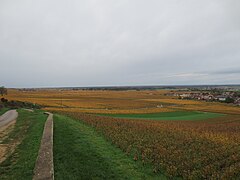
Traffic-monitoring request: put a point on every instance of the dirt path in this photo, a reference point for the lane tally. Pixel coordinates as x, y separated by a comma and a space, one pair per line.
44, 164
7, 121
7, 118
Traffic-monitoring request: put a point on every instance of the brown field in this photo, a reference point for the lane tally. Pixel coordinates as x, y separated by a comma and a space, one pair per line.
115, 101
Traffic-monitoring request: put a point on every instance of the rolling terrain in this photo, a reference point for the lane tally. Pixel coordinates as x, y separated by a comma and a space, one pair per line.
127, 134
115, 102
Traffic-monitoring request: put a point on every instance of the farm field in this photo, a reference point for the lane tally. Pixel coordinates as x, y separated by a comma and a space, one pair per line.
120, 90
185, 149
116, 102
176, 115
139, 134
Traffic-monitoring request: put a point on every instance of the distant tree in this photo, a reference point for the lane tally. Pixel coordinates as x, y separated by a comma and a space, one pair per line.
238, 94
229, 100
3, 90
4, 100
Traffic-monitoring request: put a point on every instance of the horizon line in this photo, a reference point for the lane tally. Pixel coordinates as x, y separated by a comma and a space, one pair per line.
122, 86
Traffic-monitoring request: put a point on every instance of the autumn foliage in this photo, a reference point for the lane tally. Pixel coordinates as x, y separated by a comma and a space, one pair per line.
191, 150
186, 149
115, 102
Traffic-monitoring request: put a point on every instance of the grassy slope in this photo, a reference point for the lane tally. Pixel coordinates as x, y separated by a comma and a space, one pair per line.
29, 128
178, 115
81, 152
3, 110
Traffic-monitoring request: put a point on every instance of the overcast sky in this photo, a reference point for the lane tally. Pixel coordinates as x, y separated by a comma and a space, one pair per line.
51, 43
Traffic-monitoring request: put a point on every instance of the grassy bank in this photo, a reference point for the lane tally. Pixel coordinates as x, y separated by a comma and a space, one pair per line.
3, 110
177, 115
28, 132
81, 152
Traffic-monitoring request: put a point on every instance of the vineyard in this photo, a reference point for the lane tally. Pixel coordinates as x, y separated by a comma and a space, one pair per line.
188, 139
120, 90
115, 102
176, 115
190, 150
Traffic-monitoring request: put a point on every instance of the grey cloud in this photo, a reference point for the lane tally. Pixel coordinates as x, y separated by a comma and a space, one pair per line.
228, 71
104, 42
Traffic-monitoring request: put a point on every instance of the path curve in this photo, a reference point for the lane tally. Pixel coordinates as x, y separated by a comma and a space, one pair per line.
44, 165
7, 118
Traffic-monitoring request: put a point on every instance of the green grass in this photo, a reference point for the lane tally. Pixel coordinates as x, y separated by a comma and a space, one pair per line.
28, 129
82, 153
3, 110
177, 115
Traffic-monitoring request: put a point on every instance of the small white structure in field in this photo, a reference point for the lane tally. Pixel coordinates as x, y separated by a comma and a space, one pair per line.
221, 98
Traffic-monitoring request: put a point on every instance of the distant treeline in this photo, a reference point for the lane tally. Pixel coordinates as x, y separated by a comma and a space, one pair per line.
140, 88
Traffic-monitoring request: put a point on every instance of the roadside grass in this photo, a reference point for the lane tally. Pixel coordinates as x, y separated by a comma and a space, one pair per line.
176, 115
3, 110
28, 132
82, 153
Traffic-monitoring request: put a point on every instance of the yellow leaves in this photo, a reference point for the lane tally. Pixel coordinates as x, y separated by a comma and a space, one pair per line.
115, 102
192, 150
176, 101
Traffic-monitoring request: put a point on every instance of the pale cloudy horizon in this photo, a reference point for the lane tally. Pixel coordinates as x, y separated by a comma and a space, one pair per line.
119, 43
